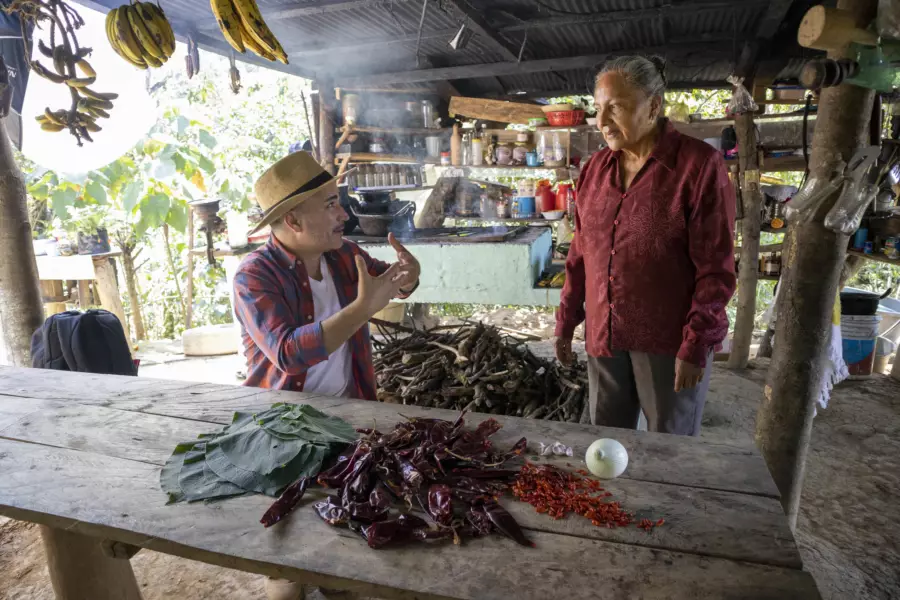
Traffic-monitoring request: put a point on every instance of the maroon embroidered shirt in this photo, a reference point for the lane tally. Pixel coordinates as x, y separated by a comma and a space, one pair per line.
651, 269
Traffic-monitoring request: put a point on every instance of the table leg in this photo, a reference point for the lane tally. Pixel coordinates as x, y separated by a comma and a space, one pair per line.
79, 570
284, 589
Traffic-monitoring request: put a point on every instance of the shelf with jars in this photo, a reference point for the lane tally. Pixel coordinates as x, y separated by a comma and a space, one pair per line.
383, 177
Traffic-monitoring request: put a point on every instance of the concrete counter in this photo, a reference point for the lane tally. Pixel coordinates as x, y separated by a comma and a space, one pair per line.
458, 272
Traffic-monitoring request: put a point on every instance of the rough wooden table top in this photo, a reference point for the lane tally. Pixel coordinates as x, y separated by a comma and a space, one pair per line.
83, 452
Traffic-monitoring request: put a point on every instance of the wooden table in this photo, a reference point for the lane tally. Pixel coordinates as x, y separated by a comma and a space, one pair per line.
81, 454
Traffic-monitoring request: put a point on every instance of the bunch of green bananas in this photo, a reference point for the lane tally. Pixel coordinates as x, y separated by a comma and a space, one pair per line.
87, 105
244, 28
140, 33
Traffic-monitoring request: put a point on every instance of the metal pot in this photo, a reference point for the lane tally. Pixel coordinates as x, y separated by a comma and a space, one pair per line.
378, 225
861, 303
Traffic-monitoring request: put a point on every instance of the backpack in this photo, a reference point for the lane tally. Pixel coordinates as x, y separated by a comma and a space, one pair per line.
91, 342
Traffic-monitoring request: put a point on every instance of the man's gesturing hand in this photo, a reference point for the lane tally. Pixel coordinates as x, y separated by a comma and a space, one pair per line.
408, 264
374, 293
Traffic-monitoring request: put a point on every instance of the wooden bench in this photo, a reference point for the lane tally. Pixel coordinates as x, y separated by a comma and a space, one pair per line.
81, 455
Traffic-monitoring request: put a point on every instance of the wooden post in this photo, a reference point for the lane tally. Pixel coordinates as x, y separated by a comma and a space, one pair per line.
134, 297
79, 569
21, 310
751, 199
53, 288
84, 294
108, 292
189, 293
326, 125
815, 257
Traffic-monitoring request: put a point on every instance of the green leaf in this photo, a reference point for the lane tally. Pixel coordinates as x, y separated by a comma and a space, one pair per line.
181, 123
206, 164
165, 168
180, 163
199, 482
96, 191
61, 200
154, 209
177, 217
131, 195
207, 139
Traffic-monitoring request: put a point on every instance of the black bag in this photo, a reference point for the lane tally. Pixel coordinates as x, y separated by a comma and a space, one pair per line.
90, 342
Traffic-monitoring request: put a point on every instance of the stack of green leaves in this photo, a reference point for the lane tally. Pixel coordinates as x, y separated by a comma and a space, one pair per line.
257, 453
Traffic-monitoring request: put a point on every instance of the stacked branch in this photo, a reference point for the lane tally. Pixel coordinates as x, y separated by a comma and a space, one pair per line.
476, 367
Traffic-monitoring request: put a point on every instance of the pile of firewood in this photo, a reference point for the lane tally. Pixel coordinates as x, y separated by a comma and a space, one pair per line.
479, 368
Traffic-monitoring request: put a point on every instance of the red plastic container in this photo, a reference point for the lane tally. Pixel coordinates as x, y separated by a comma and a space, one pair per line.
545, 196
565, 118
563, 192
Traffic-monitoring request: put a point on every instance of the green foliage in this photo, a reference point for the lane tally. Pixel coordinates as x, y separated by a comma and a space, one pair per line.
207, 142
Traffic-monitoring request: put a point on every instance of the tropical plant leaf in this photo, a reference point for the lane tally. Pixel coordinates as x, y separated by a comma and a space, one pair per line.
199, 482
207, 139
96, 191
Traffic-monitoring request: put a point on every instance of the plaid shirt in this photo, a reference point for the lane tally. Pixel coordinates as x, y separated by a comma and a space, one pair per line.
274, 305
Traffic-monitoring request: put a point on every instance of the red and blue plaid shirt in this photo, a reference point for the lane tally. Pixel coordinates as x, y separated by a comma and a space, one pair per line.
274, 305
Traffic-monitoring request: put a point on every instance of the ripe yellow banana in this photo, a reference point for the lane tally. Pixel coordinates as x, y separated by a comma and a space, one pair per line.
254, 24
48, 126
124, 39
229, 22
251, 44
153, 14
154, 27
86, 68
149, 47
89, 93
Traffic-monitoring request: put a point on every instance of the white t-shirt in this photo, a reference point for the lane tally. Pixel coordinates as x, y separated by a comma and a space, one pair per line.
331, 377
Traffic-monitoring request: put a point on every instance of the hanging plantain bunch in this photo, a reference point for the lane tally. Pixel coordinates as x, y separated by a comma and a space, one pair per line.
70, 67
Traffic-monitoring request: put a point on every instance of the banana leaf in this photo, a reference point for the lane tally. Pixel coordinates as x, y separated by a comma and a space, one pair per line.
198, 482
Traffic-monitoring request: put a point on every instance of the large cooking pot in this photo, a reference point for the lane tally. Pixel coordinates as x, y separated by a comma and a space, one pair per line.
861, 303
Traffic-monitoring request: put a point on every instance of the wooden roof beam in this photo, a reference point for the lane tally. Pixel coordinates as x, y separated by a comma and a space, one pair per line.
476, 20
500, 69
322, 7
772, 18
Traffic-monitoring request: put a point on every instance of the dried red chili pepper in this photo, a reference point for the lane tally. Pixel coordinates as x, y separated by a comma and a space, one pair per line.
285, 503
440, 504
506, 524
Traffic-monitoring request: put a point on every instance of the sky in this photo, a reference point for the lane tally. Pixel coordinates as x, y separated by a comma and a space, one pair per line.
132, 116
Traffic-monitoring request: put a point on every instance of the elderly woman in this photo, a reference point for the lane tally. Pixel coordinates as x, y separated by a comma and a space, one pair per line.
651, 267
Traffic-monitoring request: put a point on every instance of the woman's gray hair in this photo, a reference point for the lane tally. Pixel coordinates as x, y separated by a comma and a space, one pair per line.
645, 73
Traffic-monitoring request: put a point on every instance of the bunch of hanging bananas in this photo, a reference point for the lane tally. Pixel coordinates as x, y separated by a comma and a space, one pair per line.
87, 105
244, 28
141, 34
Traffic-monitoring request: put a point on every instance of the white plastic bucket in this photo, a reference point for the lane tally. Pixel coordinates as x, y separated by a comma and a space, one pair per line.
858, 333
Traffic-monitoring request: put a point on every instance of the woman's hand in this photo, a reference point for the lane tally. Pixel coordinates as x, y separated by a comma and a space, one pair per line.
687, 375
564, 352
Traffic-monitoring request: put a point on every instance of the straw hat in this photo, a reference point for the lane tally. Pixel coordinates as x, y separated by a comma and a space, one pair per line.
287, 184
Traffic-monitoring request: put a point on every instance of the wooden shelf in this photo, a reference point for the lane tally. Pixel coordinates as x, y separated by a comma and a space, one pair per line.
511, 167
764, 117
764, 248
358, 157
395, 130
497, 220
768, 277
774, 164
876, 257
392, 188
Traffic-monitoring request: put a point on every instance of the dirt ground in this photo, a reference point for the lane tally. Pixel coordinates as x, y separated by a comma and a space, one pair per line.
847, 531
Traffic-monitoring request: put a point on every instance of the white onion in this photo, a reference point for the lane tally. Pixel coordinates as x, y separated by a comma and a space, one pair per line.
606, 458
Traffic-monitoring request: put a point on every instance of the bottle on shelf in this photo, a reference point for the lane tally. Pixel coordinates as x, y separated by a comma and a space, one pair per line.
477, 149
466, 147
490, 155
456, 147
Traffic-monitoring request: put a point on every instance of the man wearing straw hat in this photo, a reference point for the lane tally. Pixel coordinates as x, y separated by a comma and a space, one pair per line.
304, 298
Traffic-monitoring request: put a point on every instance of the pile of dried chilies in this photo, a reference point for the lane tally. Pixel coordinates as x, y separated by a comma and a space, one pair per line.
476, 368
453, 474
557, 493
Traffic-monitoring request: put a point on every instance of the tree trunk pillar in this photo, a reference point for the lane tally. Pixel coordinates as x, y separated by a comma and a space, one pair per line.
326, 125
815, 257
751, 199
21, 309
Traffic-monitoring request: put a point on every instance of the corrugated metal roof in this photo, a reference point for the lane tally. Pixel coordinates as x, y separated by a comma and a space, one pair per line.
362, 37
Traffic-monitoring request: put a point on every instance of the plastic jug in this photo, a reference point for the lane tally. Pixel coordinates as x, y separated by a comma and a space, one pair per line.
545, 196
563, 192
